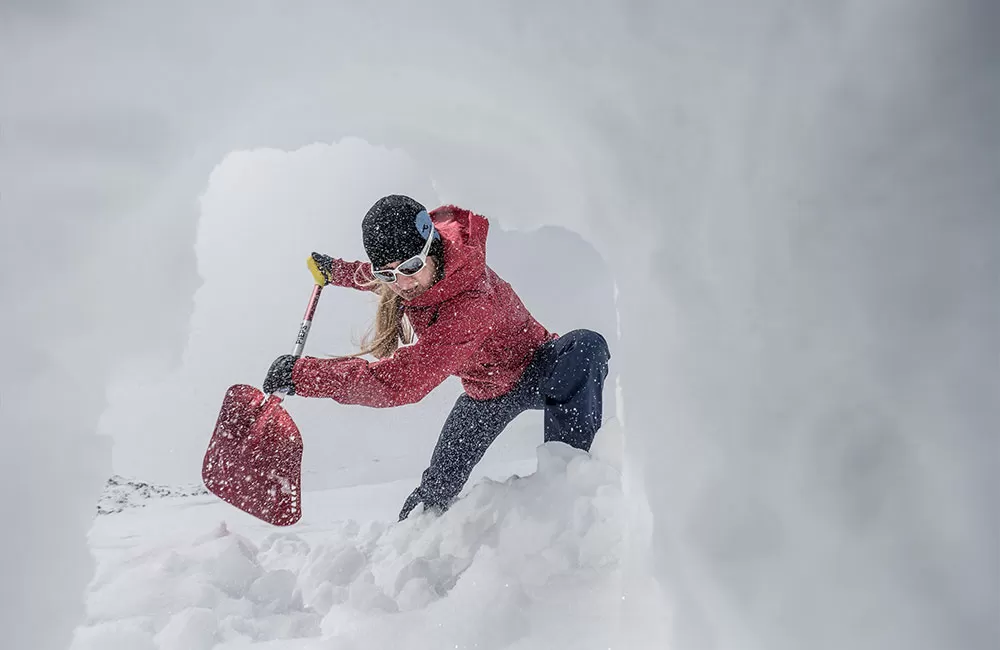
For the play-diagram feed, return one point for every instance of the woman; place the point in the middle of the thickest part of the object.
(430, 271)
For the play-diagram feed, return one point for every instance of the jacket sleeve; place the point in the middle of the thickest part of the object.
(408, 375)
(352, 275)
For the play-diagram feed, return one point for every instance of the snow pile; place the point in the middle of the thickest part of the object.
(186, 598)
(121, 493)
(530, 562)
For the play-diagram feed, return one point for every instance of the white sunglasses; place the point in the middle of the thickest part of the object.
(413, 265)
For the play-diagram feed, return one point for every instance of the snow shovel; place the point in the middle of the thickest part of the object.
(254, 459)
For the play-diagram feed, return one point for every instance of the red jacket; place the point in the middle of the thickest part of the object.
(470, 324)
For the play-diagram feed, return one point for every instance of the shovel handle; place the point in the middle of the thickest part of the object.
(300, 340)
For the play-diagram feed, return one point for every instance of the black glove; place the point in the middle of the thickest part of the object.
(324, 263)
(279, 377)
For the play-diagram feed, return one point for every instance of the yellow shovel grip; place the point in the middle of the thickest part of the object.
(316, 273)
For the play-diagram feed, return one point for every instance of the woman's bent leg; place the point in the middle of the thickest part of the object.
(470, 429)
(573, 388)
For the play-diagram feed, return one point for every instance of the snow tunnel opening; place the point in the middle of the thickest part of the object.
(261, 212)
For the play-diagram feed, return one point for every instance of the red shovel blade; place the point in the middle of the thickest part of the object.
(254, 459)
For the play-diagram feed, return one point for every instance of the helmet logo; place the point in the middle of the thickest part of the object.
(424, 225)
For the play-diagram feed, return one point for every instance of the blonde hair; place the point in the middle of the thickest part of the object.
(391, 327)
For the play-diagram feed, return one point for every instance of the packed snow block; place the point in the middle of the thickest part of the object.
(237, 630)
(194, 590)
(274, 592)
(155, 583)
(283, 551)
(367, 597)
(553, 458)
(335, 565)
(346, 565)
(427, 563)
(609, 444)
(326, 576)
(232, 565)
(409, 568)
(369, 534)
(194, 628)
(171, 590)
(486, 608)
(122, 634)
(587, 475)
(520, 535)
(343, 622)
(416, 593)
(293, 625)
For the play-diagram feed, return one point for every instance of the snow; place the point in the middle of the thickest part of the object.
(525, 561)
(121, 493)
(796, 203)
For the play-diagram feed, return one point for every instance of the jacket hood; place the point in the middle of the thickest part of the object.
(463, 238)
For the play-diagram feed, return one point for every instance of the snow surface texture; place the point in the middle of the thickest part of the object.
(526, 562)
(121, 493)
(797, 203)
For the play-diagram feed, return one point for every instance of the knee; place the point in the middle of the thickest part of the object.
(590, 343)
(583, 357)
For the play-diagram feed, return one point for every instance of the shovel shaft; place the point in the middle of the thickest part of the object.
(300, 340)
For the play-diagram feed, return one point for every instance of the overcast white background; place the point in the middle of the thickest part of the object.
(797, 203)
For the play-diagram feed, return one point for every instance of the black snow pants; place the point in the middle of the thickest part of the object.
(565, 378)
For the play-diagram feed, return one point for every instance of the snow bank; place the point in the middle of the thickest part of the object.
(121, 493)
(187, 597)
(528, 562)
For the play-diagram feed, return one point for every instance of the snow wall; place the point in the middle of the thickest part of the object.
(261, 213)
(798, 204)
